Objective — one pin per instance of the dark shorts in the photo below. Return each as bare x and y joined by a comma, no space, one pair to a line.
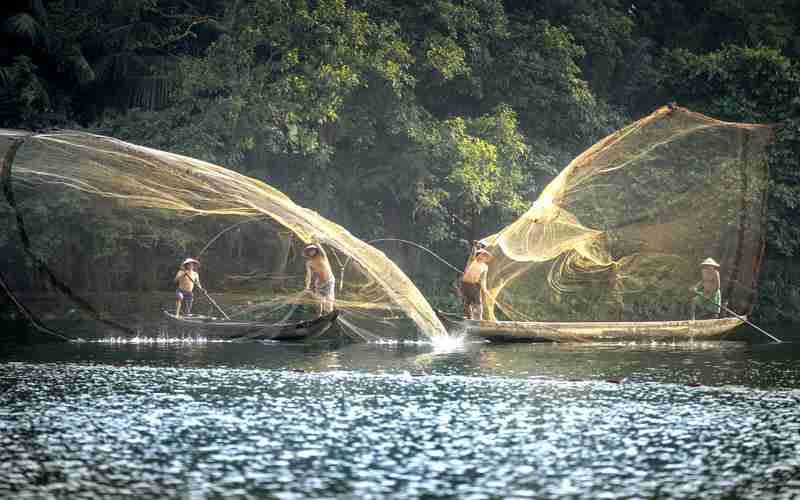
471,293
184,295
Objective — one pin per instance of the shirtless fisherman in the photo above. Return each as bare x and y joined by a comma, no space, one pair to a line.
186,278
706,294
320,276
473,284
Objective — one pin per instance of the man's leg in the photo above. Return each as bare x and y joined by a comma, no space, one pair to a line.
189,302
331,299
320,301
323,309
329,296
178,302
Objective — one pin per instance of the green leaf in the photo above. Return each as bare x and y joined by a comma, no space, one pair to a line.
24,26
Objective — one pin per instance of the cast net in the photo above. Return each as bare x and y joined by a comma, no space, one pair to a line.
94,230
620,233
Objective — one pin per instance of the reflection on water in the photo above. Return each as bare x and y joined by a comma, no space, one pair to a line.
474,420
704,363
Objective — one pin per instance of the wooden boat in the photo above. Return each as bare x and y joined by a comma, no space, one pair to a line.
216,328
542,331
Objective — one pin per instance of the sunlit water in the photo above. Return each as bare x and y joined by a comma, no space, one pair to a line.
269,420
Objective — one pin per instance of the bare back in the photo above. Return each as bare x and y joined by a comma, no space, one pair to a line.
320,267
710,281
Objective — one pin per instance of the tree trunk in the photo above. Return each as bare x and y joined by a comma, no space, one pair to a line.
396,218
743,208
475,224
280,261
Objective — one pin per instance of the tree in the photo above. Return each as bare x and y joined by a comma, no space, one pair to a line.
751,85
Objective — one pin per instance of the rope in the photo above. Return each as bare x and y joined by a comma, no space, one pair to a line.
197,284
28,315
431,252
282,320
741,285
5,176
742,318
506,308
216,237
422,248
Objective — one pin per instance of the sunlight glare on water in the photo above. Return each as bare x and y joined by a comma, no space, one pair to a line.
463,420
447,343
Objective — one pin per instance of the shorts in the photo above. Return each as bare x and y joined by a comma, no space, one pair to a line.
471,293
184,295
326,289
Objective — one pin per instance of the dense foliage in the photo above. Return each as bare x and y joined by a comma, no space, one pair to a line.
436,122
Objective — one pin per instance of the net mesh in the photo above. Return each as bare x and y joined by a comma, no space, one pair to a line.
95,228
619,234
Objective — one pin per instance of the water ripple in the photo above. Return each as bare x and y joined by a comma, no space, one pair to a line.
82,431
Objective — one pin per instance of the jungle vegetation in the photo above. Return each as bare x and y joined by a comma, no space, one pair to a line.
431,121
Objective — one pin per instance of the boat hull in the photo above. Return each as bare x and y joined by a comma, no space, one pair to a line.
215,328
536,331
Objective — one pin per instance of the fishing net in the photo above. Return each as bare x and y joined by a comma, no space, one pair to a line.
620,233
94,230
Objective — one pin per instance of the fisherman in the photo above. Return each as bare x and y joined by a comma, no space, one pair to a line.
706,295
320,276
186,278
473,284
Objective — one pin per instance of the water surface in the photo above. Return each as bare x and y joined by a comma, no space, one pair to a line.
269,420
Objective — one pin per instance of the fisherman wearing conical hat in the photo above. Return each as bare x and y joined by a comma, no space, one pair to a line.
186,278
706,294
473,284
319,277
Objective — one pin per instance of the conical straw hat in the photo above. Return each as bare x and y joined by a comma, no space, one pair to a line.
311,246
709,262
187,261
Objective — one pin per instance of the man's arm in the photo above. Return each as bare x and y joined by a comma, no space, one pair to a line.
485,271
179,274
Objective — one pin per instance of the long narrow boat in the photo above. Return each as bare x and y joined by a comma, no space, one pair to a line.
216,328
542,331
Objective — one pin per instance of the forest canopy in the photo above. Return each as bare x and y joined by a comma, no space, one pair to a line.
435,122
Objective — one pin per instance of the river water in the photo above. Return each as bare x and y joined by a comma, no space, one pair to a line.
155,419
